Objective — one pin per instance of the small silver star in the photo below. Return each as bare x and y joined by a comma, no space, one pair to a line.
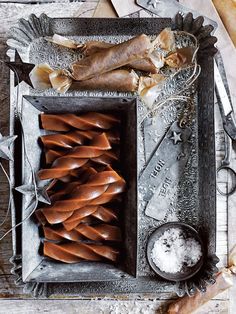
153,3
181,155
176,137
41,188
5,144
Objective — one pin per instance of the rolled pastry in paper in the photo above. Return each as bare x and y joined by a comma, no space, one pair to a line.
224,280
116,80
146,65
188,305
112,58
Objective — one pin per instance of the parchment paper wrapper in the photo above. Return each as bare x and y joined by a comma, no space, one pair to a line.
44,77
116,80
112,58
224,280
148,64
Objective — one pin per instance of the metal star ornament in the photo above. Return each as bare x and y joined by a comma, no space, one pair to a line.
176,137
181,155
21,69
41,187
5,144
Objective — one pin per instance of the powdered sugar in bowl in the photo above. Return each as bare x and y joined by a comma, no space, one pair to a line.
175,251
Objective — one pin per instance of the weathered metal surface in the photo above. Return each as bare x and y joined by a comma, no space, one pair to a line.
202,191
35,266
163,171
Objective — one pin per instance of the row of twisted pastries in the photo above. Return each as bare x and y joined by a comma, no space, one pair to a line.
82,159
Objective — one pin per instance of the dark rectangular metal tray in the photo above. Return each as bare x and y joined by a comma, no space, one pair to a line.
35,267
202,212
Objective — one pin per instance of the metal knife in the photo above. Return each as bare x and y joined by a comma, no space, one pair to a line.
225,106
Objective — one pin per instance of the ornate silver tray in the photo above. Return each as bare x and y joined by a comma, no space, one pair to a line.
194,200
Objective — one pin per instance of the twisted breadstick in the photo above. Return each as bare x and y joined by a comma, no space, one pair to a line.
96,233
75,158
76,252
87,121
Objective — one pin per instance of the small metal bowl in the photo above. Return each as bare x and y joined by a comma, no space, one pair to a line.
189,271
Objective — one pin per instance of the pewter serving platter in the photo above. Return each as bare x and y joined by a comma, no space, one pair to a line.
193,200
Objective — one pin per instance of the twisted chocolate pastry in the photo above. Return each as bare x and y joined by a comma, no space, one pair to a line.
74,138
101,232
80,174
76,158
67,140
99,189
56,218
87,121
71,219
107,182
85,194
89,195
107,158
75,252
100,212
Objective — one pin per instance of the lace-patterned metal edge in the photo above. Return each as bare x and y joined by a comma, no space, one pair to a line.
27,31
195,26
36,289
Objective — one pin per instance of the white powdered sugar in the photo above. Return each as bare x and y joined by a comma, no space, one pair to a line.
174,250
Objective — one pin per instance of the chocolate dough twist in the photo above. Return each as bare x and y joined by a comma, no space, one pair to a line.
87,195
75,138
101,232
107,158
89,177
71,219
112,58
67,140
76,158
99,212
145,64
75,252
87,121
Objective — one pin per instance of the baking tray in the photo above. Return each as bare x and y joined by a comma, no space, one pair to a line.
36,267
197,189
